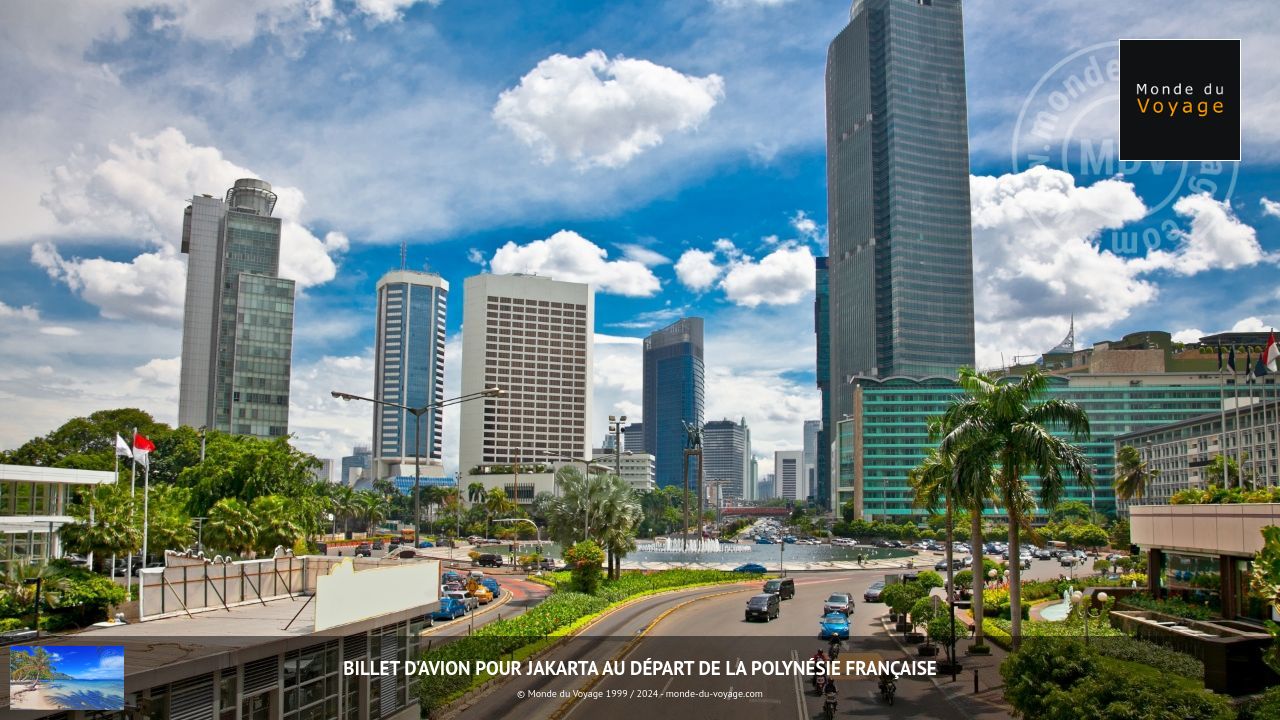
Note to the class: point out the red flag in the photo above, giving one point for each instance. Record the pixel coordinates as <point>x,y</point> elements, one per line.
<point>142,448</point>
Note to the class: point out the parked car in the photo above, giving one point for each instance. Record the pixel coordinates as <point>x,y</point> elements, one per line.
<point>377,545</point>
<point>956,564</point>
<point>751,568</point>
<point>364,550</point>
<point>1043,554</point>
<point>547,564</point>
<point>784,587</point>
<point>450,609</point>
<point>1068,560</point>
<point>465,598</point>
<point>874,592</point>
<point>833,625</point>
<point>137,567</point>
<point>426,544</point>
<point>489,560</point>
<point>765,606</point>
<point>838,602</point>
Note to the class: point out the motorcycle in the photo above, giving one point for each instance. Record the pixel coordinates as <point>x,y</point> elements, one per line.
<point>829,706</point>
<point>888,686</point>
<point>833,650</point>
<point>819,682</point>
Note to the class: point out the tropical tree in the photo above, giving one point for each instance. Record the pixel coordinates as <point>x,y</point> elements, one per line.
<point>34,664</point>
<point>476,493</point>
<point>169,526</point>
<point>1007,427</point>
<point>231,527</point>
<point>1132,474</point>
<point>373,508</point>
<point>620,515</point>
<point>276,521</point>
<point>342,503</point>
<point>497,505</point>
<point>111,531</point>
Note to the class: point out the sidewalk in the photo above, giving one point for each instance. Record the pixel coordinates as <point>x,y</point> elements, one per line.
<point>988,703</point>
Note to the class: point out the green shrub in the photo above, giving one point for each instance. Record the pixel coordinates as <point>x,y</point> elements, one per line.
<point>1170,606</point>
<point>584,561</point>
<point>929,579</point>
<point>940,627</point>
<point>1125,697</point>
<point>11,623</point>
<point>1150,654</point>
<point>921,612</point>
<point>1263,707</point>
<point>1041,667</point>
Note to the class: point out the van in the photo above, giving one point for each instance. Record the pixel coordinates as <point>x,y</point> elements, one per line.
<point>765,606</point>
<point>784,588</point>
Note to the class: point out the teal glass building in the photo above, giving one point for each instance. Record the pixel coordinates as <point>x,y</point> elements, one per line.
<point>673,394</point>
<point>886,437</point>
<point>822,329</point>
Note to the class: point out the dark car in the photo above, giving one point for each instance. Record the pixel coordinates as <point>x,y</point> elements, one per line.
<point>838,602</point>
<point>764,606</point>
<point>874,592</point>
<point>489,560</point>
<point>956,564</point>
<point>785,588</point>
<point>756,568</point>
<point>364,550</point>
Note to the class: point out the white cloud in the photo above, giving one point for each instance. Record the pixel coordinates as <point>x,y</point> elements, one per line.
<point>1038,260</point>
<point>475,256</point>
<point>645,256</point>
<point>567,255</point>
<point>697,270</point>
<point>1250,324</point>
<point>109,667</point>
<point>1270,207</point>
<point>595,111</point>
<point>782,277</point>
<point>807,228</point>
<point>139,192</point>
<point>162,371</point>
<point>1189,335</point>
<point>653,319</point>
<point>1217,240</point>
<point>59,330</point>
<point>736,4</point>
<point>384,11</point>
<point>150,287</point>
<point>321,424</point>
<point>26,312</point>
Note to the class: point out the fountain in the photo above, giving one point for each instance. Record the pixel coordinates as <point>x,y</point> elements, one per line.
<point>696,545</point>
<point>1059,612</point>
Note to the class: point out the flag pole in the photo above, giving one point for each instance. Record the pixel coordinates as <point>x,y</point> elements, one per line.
<point>1235,395</point>
<point>146,497</point>
<point>133,487</point>
<point>1222,419</point>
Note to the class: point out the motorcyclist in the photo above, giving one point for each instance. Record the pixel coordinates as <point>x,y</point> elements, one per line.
<point>834,648</point>
<point>887,682</point>
<point>830,697</point>
<point>820,675</point>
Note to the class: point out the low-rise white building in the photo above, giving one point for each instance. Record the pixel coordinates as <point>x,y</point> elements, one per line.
<point>638,469</point>
<point>33,506</point>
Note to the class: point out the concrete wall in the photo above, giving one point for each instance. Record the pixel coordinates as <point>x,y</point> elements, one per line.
<point>1205,529</point>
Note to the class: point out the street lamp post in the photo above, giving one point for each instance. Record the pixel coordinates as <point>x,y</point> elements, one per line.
<point>1087,611</point>
<point>38,582</point>
<point>615,427</point>
<point>417,416</point>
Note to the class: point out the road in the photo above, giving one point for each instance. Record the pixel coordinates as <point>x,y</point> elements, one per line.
<point>708,624</point>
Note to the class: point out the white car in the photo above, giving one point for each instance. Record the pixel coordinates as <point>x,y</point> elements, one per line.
<point>469,601</point>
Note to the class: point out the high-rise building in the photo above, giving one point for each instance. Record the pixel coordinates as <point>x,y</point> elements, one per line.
<point>822,328</point>
<point>811,430</point>
<point>900,266</point>
<point>726,446</point>
<point>633,437</point>
<point>752,490</point>
<point>357,465</point>
<point>324,473</point>
<point>788,474</point>
<point>673,395</point>
<point>529,336</point>
<point>766,488</point>
<point>237,324</point>
<point>409,369</point>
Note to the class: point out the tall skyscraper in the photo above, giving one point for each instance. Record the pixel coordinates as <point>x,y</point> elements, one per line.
<point>409,367</point>
<point>788,469</point>
<point>811,430</point>
<point>822,328</point>
<point>900,266</point>
<point>237,324</point>
<point>673,395</point>
<point>752,491</point>
<point>726,445</point>
<point>531,337</point>
<point>633,437</point>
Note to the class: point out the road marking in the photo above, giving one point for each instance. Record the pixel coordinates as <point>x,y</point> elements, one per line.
<point>800,712</point>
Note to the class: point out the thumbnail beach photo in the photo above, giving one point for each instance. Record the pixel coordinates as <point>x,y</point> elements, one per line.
<point>66,677</point>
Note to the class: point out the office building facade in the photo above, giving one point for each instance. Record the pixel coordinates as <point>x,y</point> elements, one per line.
<point>638,469</point>
<point>673,396</point>
<point>811,430</point>
<point>409,367</point>
<point>33,508</point>
<point>356,466</point>
<point>822,331</point>
<point>237,329</point>
<point>900,266</point>
<point>726,448</point>
<point>530,336</point>
<point>633,437</point>
<point>788,474</point>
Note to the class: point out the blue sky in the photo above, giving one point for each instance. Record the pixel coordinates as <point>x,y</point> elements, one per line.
<point>88,662</point>
<point>671,153</point>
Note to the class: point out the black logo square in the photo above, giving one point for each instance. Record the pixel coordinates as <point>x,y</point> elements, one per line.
<point>1180,100</point>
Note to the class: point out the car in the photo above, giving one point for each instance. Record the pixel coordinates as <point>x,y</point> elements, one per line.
<point>450,609</point>
<point>489,560</point>
<point>956,564</point>
<point>1068,560</point>
<point>75,559</point>
<point>762,540</point>
<point>465,598</point>
<point>481,593</point>
<point>756,568</point>
<point>138,567</point>
<point>492,585</point>
<point>547,564</point>
<point>784,587</point>
<point>874,592</point>
<point>840,602</point>
<point>377,545</point>
<point>426,544</point>
<point>1043,554</point>
<point>451,576</point>
<point>833,625</point>
<point>364,550</point>
<point>451,587</point>
<point>765,605</point>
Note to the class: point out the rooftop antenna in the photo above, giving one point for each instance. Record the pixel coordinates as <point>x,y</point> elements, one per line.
<point>404,254</point>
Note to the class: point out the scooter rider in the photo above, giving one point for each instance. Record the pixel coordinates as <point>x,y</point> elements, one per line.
<point>834,648</point>
<point>830,697</point>
<point>819,677</point>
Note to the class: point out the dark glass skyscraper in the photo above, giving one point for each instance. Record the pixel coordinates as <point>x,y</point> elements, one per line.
<point>673,394</point>
<point>900,265</point>
<point>409,364</point>
<point>822,328</point>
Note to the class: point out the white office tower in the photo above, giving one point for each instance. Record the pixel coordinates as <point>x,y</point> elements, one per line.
<point>531,337</point>
<point>788,470</point>
<point>409,370</point>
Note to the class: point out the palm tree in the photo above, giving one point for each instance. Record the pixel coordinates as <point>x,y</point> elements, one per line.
<point>112,531</point>
<point>373,507</point>
<point>620,514</point>
<point>934,481</point>
<point>231,526</point>
<point>342,503</point>
<point>34,665</point>
<point>496,504</point>
<point>276,522</point>
<point>476,492</point>
<point>1007,427</point>
<point>1132,473</point>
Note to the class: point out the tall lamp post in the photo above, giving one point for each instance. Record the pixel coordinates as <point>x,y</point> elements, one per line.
<point>38,582</point>
<point>615,427</point>
<point>417,439</point>
<point>1086,609</point>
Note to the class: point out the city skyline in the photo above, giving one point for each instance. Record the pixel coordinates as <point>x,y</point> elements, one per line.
<point>715,206</point>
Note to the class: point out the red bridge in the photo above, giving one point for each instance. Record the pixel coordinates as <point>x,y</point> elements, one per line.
<point>755,511</point>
